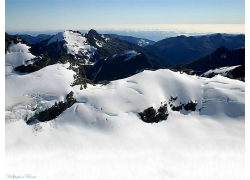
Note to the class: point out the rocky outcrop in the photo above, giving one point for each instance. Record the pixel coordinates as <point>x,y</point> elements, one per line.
<point>238,73</point>
<point>150,115</point>
<point>53,111</point>
<point>79,76</point>
<point>190,105</point>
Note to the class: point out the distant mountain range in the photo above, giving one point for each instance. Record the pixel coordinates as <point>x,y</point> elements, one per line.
<point>98,56</point>
<point>32,39</point>
<point>170,51</point>
<point>108,57</point>
<point>219,58</point>
<point>139,41</point>
<point>182,49</point>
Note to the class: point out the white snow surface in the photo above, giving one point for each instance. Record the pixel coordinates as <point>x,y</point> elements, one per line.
<point>75,43</point>
<point>142,42</point>
<point>222,71</point>
<point>102,136</point>
<point>16,55</point>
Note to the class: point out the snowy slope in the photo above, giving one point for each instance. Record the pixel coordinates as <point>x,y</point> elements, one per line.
<point>102,136</point>
<point>16,55</point>
<point>46,86</point>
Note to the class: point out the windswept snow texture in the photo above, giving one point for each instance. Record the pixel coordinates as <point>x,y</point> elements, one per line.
<point>75,43</point>
<point>129,54</point>
<point>102,137</point>
<point>16,55</point>
<point>224,71</point>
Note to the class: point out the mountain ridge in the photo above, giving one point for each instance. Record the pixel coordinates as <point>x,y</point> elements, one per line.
<point>183,49</point>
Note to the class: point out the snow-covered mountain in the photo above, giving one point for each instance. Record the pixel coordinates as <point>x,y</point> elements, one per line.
<point>70,42</point>
<point>150,125</point>
<point>100,56</point>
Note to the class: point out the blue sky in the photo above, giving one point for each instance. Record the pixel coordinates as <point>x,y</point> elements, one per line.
<point>41,15</point>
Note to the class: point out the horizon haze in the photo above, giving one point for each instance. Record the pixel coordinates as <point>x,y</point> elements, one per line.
<point>154,20</point>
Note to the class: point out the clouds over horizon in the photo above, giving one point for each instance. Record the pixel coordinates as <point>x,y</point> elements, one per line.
<point>152,31</point>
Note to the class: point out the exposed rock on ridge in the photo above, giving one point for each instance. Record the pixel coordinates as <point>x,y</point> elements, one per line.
<point>53,111</point>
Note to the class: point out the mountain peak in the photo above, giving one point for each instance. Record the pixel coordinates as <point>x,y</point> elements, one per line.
<point>92,32</point>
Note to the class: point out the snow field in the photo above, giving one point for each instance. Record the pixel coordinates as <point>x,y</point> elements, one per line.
<point>102,137</point>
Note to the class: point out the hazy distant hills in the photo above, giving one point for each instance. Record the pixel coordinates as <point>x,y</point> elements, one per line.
<point>183,49</point>
<point>139,41</point>
<point>33,39</point>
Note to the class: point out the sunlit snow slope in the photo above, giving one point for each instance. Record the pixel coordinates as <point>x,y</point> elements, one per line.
<point>102,136</point>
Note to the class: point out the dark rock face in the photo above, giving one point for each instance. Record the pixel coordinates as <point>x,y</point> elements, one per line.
<point>238,73</point>
<point>53,111</point>
<point>7,42</point>
<point>116,68</point>
<point>182,49</point>
<point>53,49</point>
<point>150,115</point>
